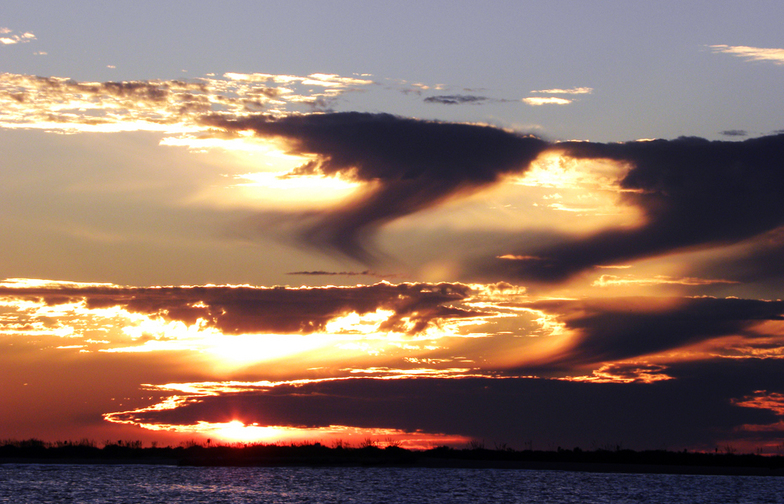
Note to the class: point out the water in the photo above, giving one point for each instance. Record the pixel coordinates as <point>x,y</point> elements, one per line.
<point>44,483</point>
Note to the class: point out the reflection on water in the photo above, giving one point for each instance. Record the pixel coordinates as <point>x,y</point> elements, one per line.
<point>34,483</point>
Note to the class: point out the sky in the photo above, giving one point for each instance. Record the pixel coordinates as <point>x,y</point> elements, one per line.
<point>517,224</point>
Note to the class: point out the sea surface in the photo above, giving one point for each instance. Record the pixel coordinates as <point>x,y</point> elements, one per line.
<point>47,483</point>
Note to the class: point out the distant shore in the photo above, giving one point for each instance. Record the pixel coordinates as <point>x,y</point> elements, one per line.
<point>316,455</point>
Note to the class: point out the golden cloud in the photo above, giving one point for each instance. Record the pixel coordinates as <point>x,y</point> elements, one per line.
<point>549,100</point>
<point>10,38</point>
<point>752,53</point>
<point>574,90</point>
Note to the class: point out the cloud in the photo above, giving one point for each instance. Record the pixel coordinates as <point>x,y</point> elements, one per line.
<point>735,132</point>
<point>615,280</point>
<point>550,100</point>
<point>341,273</point>
<point>633,370</point>
<point>751,53</point>
<point>554,100</point>
<point>625,372</point>
<point>240,310</point>
<point>408,165</point>
<point>316,79</point>
<point>757,263</point>
<point>172,106</point>
<point>574,90</point>
<point>695,409</point>
<point>458,99</point>
<point>625,328</point>
<point>692,192</point>
<point>8,37</point>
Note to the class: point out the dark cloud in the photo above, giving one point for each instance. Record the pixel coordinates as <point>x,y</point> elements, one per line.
<point>758,265</point>
<point>341,273</point>
<point>693,193</point>
<point>694,410</point>
<point>457,99</point>
<point>410,165</point>
<point>735,132</point>
<point>237,310</point>
<point>625,328</point>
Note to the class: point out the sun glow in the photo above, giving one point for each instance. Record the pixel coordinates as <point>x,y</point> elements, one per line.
<point>336,187</point>
<point>334,435</point>
<point>353,323</point>
<point>555,192</point>
<point>240,350</point>
<point>238,431</point>
<point>345,436</point>
<point>244,431</point>
<point>555,170</point>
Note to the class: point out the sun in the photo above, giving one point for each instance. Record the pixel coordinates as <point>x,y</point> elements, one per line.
<point>236,431</point>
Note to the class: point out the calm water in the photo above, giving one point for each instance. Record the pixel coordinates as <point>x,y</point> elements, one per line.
<point>44,483</point>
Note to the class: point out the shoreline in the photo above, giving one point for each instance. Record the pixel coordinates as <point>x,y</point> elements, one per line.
<point>599,461</point>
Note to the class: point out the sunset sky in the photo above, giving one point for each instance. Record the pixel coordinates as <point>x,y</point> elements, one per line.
<point>526,224</point>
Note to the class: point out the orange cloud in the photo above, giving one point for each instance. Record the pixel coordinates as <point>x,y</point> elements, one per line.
<point>614,280</point>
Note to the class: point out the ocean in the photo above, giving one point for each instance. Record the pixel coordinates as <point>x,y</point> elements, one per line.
<point>56,483</point>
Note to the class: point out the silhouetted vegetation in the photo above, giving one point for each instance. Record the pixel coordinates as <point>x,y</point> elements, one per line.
<point>370,453</point>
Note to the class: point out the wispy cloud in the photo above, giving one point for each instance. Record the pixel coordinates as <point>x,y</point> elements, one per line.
<point>456,99</point>
<point>342,273</point>
<point>555,100</point>
<point>316,79</point>
<point>615,280</point>
<point>8,37</point>
<point>752,53</point>
<point>574,90</point>
<point>546,100</point>
<point>62,104</point>
<point>735,133</point>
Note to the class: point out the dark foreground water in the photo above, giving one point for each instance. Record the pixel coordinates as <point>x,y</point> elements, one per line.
<point>44,483</point>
